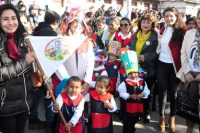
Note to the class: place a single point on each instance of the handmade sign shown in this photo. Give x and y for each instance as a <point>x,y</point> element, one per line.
<point>52,52</point>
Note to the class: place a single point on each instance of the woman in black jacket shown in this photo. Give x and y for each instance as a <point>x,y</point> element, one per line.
<point>15,84</point>
<point>145,42</point>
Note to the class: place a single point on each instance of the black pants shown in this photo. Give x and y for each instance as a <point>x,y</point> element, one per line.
<point>168,84</point>
<point>150,82</point>
<point>129,124</point>
<point>13,124</point>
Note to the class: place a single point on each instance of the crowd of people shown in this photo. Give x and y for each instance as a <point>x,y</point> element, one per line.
<point>130,60</point>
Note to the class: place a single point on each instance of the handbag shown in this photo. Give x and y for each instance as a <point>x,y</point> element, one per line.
<point>187,105</point>
<point>36,76</point>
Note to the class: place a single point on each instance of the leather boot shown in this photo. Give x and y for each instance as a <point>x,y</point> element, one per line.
<point>172,124</point>
<point>162,123</point>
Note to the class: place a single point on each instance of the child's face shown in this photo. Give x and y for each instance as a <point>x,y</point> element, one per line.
<point>74,88</point>
<point>101,87</point>
<point>133,75</point>
<point>112,57</point>
<point>97,63</point>
<point>100,25</point>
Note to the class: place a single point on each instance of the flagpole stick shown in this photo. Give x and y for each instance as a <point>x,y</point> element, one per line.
<point>47,86</point>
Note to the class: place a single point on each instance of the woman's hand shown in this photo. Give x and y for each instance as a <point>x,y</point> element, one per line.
<point>56,107</point>
<point>141,58</point>
<point>30,57</point>
<point>48,95</point>
<point>68,126</point>
<point>189,77</point>
<point>85,88</point>
<point>197,78</point>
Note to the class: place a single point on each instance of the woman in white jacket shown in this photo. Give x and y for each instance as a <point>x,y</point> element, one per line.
<point>190,60</point>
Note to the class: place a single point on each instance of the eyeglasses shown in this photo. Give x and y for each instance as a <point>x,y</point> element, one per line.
<point>125,25</point>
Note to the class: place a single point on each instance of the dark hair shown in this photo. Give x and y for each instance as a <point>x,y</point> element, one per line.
<point>51,16</point>
<point>179,26</point>
<point>126,19</point>
<point>193,19</point>
<point>84,31</point>
<point>179,20</point>
<point>22,6</point>
<point>149,18</point>
<point>129,22</point>
<point>101,19</point>
<point>105,79</point>
<point>74,78</point>
<point>32,7</point>
<point>20,30</point>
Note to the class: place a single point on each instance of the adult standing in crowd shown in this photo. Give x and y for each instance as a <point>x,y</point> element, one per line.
<point>124,37</point>
<point>81,62</point>
<point>15,83</point>
<point>145,42</point>
<point>109,33</point>
<point>46,28</point>
<point>190,70</point>
<point>171,37</point>
<point>191,23</point>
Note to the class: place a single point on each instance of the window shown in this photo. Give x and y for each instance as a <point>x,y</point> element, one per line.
<point>107,1</point>
<point>120,2</point>
<point>134,3</point>
<point>155,6</point>
<point>91,1</point>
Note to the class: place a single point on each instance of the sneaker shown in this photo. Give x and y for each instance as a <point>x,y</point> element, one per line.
<point>146,119</point>
<point>36,124</point>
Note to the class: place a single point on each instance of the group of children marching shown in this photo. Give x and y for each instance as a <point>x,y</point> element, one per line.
<point>103,89</point>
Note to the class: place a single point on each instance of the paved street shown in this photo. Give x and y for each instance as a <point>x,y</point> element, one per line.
<point>141,128</point>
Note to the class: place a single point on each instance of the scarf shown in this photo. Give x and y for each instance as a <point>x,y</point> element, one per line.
<point>13,51</point>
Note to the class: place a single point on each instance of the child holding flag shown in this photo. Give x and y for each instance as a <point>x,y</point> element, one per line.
<point>131,92</point>
<point>71,103</point>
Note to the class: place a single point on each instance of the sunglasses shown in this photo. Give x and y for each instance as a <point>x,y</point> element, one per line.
<point>125,25</point>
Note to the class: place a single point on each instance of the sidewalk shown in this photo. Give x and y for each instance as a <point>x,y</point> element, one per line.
<point>152,127</point>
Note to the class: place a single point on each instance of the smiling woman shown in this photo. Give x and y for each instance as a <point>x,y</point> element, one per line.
<point>145,42</point>
<point>169,62</point>
<point>15,84</point>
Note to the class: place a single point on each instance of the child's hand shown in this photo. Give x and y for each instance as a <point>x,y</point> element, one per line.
<point>133,96</point>
<point>56,107</point>
<point>139,96</point>
<point>108,105</point>
<point>68,126</point>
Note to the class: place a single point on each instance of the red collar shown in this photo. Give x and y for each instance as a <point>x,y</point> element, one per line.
<point>101,98</point>
<point>124,42</point>
<point>68,101</point>
<point>137,83</point>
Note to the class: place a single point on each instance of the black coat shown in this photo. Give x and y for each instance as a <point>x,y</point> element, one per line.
<point>15,83</point>
<point>44,29</point>
<point>149,52</point>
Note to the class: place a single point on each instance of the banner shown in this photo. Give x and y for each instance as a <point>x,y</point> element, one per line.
<point>51,52</point>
